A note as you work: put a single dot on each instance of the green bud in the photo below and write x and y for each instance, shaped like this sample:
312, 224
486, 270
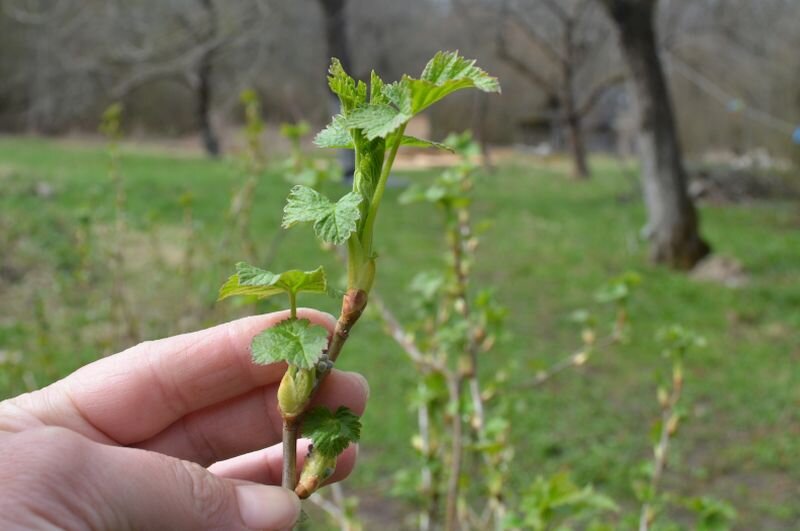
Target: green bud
294, 391
316, 470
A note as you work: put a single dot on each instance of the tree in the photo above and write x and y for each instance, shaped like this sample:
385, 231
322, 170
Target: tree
335, 21
569, 38
673, 221
182, 40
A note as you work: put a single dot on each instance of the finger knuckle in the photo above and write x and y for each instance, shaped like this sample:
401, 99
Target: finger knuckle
208, 498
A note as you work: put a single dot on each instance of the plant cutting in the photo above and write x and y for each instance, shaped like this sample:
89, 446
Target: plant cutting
372, 122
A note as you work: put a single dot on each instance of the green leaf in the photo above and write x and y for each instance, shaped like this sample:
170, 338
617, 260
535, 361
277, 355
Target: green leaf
335, 135
376, 85
391, 105
445, 67
251, 280
331, 432
446, 73
295, 341
412, 141
376, 120
351, 93
333, 222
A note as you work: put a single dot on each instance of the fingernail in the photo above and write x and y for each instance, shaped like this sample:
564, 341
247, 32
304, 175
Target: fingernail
266, 507
363, 381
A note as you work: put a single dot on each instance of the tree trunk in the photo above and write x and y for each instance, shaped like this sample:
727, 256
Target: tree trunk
577, 146
673, 222
205, 72
336, 40
580, 164
210, 140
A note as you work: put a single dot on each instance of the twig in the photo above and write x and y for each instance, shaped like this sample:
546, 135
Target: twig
428, 490
289, 475
576, 359
669, 424
333, 509
454, 386
404, 339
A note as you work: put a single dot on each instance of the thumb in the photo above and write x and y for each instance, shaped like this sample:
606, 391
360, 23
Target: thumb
127, 488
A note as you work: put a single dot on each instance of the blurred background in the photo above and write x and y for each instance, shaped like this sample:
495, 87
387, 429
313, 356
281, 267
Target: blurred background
641, 161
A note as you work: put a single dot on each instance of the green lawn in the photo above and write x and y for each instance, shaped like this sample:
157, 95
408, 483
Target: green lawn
551, 244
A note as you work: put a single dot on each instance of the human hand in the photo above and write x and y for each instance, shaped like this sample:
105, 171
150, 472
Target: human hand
178, 433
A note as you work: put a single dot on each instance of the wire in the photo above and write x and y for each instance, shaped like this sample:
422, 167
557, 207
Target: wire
732, 103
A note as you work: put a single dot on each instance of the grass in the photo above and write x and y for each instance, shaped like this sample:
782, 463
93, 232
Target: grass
550, 245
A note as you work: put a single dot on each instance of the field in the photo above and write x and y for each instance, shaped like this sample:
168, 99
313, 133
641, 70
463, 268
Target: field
550, 245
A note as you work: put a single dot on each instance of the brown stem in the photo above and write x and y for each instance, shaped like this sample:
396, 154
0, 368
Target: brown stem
576, 359
660, 452
454, 386
403, 339
425, 364
289, 476
353, 304
429, 492
460, 234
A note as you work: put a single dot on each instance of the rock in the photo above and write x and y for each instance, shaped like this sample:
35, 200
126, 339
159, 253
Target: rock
723, 270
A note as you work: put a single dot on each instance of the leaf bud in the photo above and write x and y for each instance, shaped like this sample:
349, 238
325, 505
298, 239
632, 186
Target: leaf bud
417, 444
295, 390
316, 470
663, 397
672, 425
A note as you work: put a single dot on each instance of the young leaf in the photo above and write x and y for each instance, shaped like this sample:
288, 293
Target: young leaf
376, 85
412, 141
335, 135
449, 66
392, 105
295, 341
333, 222
330, 432
251, 280
446, 73
351, 94
376, 120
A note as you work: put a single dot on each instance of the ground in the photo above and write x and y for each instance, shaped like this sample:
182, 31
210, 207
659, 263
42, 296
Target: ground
550, 244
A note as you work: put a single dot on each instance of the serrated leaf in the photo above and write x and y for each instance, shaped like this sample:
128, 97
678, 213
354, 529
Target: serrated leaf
351, 93
412, 141
450, 66
376, 120
331, 432
295, 341
251, 280
391, 105
333, 222
305, 205
444, 74
376, 85
335, 135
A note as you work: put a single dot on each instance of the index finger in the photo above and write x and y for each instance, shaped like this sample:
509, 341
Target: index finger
134, 395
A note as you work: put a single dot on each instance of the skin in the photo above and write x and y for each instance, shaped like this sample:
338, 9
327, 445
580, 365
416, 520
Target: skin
180, 433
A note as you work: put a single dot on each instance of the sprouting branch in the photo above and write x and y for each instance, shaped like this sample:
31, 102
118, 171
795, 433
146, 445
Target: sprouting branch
669, 425
575, 359
454, 386
404, 339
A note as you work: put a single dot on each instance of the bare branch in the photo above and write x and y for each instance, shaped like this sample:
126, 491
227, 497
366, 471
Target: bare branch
598, 91
403, 338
